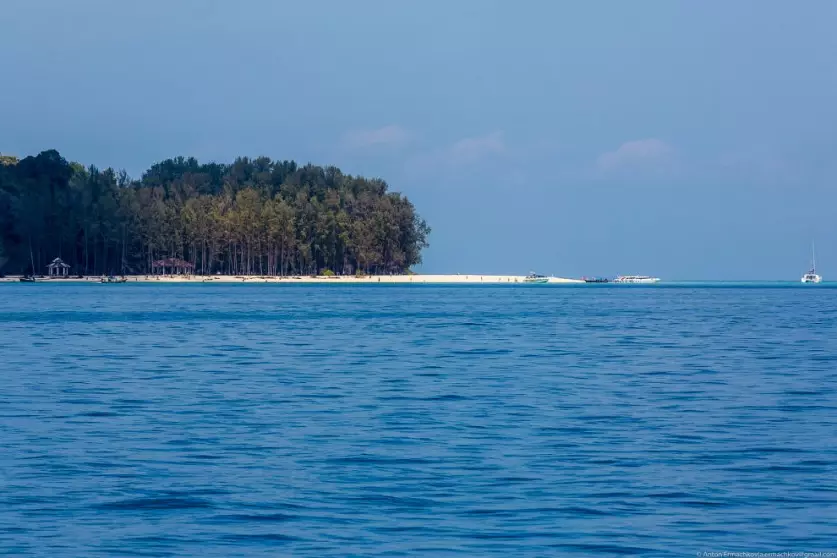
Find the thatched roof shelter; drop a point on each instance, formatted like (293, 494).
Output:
(172, 265)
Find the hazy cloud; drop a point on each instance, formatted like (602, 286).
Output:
(463, 153)
(644, 153)
(469, 150)
(392, 135)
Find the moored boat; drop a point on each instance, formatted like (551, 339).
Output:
(112, 279)
(636, 279)
(812, 276)
(30, 278)
(535, 278)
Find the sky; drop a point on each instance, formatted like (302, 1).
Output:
(685, 140)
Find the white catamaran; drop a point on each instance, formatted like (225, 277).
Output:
(811, 276)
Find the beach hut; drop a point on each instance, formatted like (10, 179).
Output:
(171, 266)
(58, 268)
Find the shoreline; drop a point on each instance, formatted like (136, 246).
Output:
(336, 279)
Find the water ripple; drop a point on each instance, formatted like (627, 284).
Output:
(265, 420)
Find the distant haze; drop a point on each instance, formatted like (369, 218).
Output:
(688, 140)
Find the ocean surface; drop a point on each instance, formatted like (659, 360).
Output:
(294, 420)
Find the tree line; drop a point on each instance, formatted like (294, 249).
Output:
(254, 216)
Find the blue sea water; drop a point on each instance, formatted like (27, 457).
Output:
(280, 420)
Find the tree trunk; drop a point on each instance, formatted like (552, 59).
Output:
(86, 253)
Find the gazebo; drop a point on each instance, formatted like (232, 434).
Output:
(58, 268)
(173, 266)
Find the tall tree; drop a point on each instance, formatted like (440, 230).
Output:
(254, 216)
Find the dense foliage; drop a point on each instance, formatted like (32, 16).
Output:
(254, 216)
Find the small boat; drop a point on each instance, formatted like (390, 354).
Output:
(112, 279)
(636, 279)
(30, 278)
(535, 278)
(811, 276)
(595, 279)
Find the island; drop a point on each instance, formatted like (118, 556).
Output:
(252, 217)
(254, 220)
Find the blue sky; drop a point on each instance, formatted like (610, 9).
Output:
(680, 139)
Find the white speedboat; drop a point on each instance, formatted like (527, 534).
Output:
(535, 278)
(636, 279)
(811, 276)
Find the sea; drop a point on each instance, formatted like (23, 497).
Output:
(417, 420)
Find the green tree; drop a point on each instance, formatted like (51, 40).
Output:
(252, 216)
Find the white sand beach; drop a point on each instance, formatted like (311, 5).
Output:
(337, 279)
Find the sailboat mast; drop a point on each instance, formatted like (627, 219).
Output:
(31, 258)
(813, 258)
